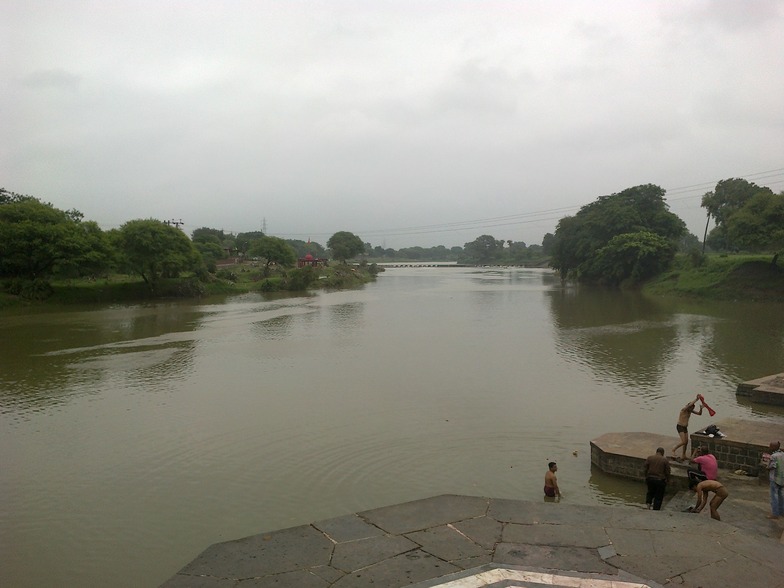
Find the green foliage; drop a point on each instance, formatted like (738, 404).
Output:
(210, 252)
(345, 245)
(724, 202)
(155, 250)
(244, 240)
(721, 277)
(629, 259)
(697, 258)
(36, 239)
(548, 243)
(29, 289)
(269, 285)
(97, 257)
(273, 250)
(227, 274)
(302, 248)
(301, 278)
(207, 235)
(483, 250)
(640, 209)
(728, 197)
(758, 225)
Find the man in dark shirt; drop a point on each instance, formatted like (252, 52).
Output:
(657, 474)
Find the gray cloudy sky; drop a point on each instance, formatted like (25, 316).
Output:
(406, 122)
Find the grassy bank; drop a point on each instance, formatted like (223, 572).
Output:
(722, 277)
(235, 279)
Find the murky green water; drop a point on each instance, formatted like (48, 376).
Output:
(133, 437)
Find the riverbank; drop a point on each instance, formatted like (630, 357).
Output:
(751, 278)
(229, 280)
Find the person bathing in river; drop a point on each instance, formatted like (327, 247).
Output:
(683, 427)
(551, 481)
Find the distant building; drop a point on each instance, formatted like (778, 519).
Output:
(311, 261)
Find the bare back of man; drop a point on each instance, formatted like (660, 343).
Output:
(551, 481)
(719, 494)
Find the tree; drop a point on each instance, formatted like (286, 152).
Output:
(302, 248)
(634, 210)
(207, 235)
(243, 240)
(273, 250)
(726, 199)
(630, 258)
(210, 252)
(483, 250)
(36, 239)
(547, 243)
(97, 255)
(759, 224)
(345, 245)
(155, 250)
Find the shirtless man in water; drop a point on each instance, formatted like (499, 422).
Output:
(551, 481)
(719, 494)
(683, 426)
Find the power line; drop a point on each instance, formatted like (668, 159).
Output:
(545, 215)
(677, 194)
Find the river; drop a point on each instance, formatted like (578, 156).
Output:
(135, 436)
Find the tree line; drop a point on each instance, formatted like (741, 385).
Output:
(39, 243)
(622, 238)
(630, 236)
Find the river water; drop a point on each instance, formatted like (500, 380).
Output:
(135, 436)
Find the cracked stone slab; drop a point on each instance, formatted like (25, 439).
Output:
(407, 568)
(429, 512)
(347, 528)
(263, 555)
(577, 559)
(355, 555)
(535, 513)
(484, 531)
(447, 543)
(556, 535)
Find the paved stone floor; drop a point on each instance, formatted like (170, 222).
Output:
(473, 542)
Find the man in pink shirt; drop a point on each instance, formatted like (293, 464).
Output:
(706, 462)
(706, 468)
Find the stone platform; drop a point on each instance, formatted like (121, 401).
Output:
(741, 448)
(457, 541)
(765, 390)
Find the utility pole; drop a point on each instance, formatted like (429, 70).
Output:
(174, 223)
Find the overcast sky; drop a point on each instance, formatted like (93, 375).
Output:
(405, 122)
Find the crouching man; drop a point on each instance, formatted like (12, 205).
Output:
(719, 494)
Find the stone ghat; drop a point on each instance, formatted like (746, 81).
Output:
(454, 541)
(765, 390)
(741, 448)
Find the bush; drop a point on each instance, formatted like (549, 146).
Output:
(37, 289)
(696, 258)
(268, 285)
(301, 278)
(228, 275)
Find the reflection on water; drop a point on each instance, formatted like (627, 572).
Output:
(144, 433)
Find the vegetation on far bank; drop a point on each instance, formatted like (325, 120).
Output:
(751, 278)
(623, 240)
(230, 279)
